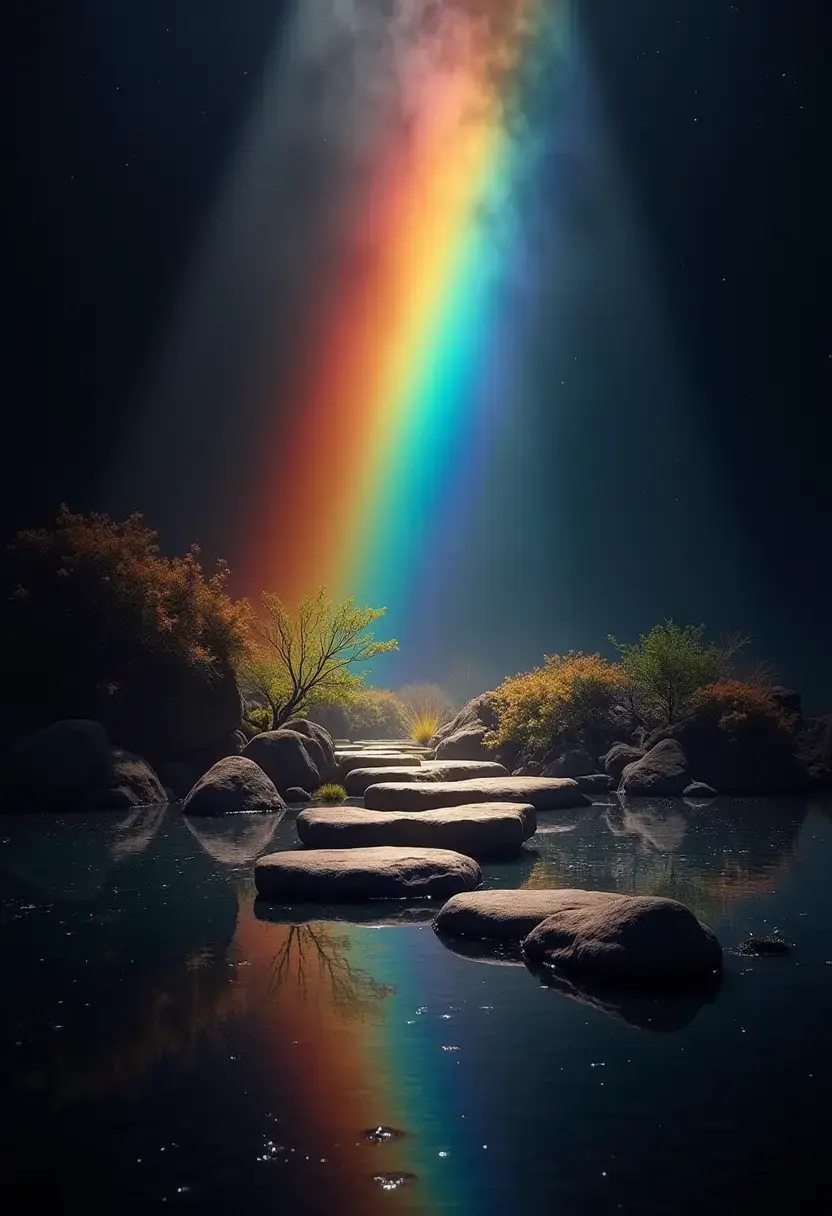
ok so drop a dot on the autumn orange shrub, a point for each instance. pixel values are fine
(568, 701)
(736, 704)
(91, 609)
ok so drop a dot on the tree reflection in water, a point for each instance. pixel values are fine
(315, 956)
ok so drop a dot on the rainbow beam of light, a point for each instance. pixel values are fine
(408, 372)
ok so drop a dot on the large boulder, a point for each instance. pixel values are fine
(234, 785)
(500, 916)
(360, 779)
(323, 753)
(284, 757)
(738, 753)
(129, 782)
(574, 763)
(492, 830)
(478, 712)
(662, 772)
(626, 938)
(58, 766)
(544, 794)
(465, 744)
(619, 756)
(358, 875)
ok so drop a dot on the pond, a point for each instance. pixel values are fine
(167, 1045)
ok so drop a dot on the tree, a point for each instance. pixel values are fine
(310, 654)
(667, 666)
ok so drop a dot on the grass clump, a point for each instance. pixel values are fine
(330, 794)
(426, 708)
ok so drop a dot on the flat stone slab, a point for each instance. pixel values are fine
(347, 761)
(543, 793)
(626, 939)
(490, 830)
(357, 875)
(360, 779)
(505, 916)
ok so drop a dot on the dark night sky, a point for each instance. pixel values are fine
(124, 118)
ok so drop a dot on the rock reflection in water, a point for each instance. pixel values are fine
(234, 840)
(663, 1012)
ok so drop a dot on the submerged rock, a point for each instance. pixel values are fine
(233, 786)
(626, 938)
(595, 783)
(357, 875)
(543, 793)
(699, 789)
(765, 946)
(492, 830)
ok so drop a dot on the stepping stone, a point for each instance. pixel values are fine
(360, 779)
(626, 939)
(358, 875)
(491, 830)
(544, 793)
(349, 761)
(504, 916)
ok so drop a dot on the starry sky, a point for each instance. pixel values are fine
(125, 119)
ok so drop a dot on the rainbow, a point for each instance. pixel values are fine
(406, 374)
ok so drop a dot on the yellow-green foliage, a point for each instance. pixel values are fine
(312, 653)
(666, 666)
(568, 700)
(360, 713)
(261, 718)
(426, 708)
(736, 704)
(331, 793)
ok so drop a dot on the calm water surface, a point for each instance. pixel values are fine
(167, 1045)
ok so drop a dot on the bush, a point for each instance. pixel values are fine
(97, 623)
(260, 718)
(666, 667)
(736, 705)
(361, 713)
(331, 793)
(568, 702)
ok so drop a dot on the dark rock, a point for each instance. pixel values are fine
(595, 783)
(575, 763)
(283, 756)
(738, 754)
(699, 789)
(296, 794)
(532, 769)
(544, 794)
(324, 753)
(465, 744)
(662, 771)
(814, 748)
(764, 947)
(619, 756)
(178, 777)
(234, 785)
(788, 700)
(357, 875)
(130, 782)
(58, 766)
(478, 712)
(627, 939)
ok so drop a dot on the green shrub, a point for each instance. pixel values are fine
(331, 794)
(361, 713)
